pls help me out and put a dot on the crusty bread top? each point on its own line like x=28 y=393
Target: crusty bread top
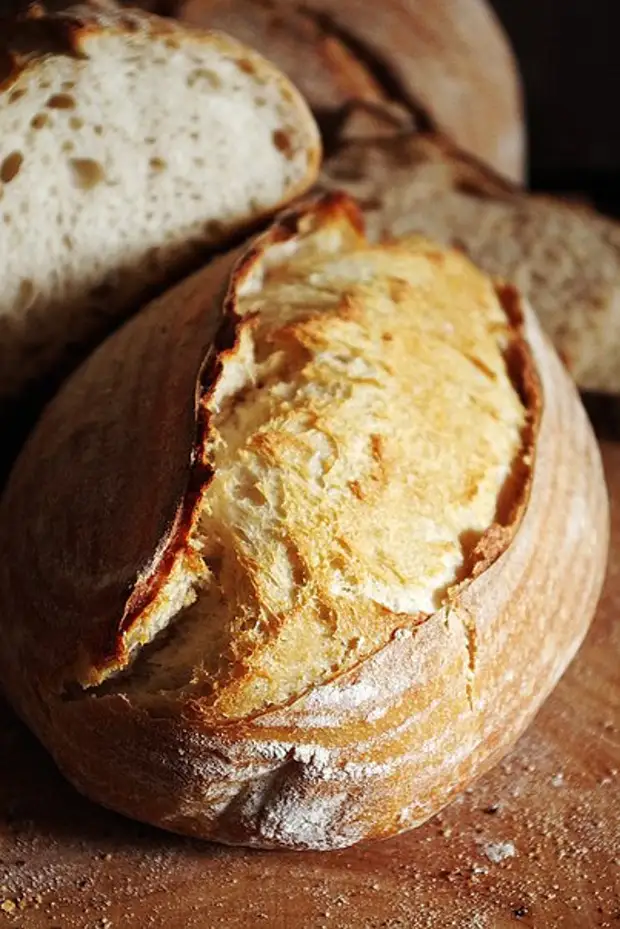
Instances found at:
x=361 y=432
x=358 y=432
x=563 y=256
x=129 y=146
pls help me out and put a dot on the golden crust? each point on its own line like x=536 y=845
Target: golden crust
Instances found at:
x=383 y=743
x=358 y=436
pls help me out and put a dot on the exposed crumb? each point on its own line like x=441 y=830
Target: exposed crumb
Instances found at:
x=52 y=849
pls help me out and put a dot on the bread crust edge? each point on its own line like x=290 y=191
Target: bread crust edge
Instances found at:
x=385 y=745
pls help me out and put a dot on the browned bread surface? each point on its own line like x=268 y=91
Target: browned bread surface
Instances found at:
x=565 y=257
x=300 y=551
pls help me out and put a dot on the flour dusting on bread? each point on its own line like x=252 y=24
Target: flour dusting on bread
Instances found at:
x=294 y=557
x=360 y=432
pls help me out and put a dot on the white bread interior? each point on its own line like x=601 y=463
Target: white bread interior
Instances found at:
x=119 y=161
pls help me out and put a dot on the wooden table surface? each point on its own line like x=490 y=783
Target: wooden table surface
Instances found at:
x=535 y=843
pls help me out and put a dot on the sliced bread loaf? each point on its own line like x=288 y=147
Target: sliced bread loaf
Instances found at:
x=565 y=256
x=447 y=61
x=128 y=146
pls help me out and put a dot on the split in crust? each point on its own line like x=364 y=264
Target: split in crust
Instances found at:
x=300 y=551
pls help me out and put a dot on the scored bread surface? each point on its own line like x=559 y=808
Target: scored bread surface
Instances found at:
x=360 y=434
x=127 y=144
x=302 y=548
x=562 y=255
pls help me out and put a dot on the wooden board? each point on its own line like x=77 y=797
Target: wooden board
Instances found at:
x=535 y=843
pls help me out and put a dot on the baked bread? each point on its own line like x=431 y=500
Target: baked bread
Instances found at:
x=564 y=256
x=129 y=146
x=448 y=62
x=301 y=549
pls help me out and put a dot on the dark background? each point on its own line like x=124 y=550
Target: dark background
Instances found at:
x=569 y=53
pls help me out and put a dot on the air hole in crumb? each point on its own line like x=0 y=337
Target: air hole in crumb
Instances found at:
x=45 y=85
x=76 y=123
x=199 y=162
x=260 y=101
x=16 y=95
x=11 y=167
x=247 y=66
x=61 y=102
x=172 y=43
x=283 y=142
x=39 y=120
x=150 y=140
x=87 y=172
x=255 y=495
x=157 y=164
x=204 y=76
x=194 y=136
x=68 y=146
x=67 y=241
x=7 y=219
x=98 y=130
x=68 y=85
x=481 y=366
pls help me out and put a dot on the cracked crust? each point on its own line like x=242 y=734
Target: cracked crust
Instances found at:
x=384 y=741
x=563 y=256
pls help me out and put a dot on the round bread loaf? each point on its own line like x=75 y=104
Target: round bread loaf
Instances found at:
x=300 y=550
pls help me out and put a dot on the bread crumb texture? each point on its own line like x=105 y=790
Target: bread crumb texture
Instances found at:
x=120 y=158
x=360 y=433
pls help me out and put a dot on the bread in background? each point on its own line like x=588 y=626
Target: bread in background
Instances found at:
x=563 y=255
x=130 y=147
x=447 y=61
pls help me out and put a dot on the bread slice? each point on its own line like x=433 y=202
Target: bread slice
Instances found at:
x=128 y=147
x=564 y=256
x=301 y=549
x=447 y=61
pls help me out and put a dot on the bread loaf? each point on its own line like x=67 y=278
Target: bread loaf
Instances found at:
x=301 y=549
x=564 y=256
x=128 y=146
x=447 y=61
